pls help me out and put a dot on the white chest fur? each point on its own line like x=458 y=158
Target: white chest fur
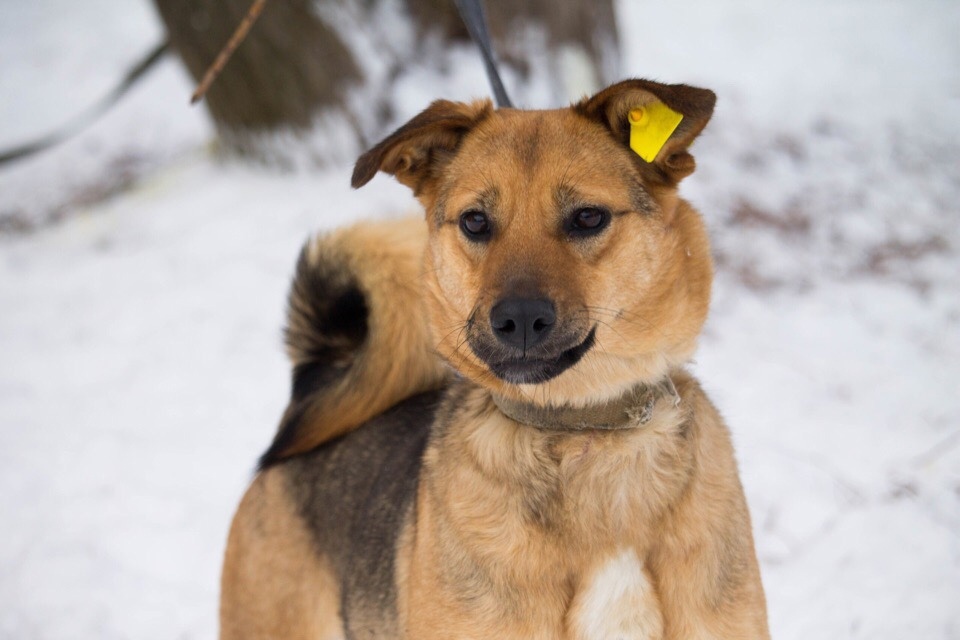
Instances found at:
x=617 y=602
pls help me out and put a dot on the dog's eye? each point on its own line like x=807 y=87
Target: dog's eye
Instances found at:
x=588 y=220
x=475 y=225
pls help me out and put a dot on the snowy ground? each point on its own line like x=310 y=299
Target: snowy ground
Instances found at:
x=140 y=366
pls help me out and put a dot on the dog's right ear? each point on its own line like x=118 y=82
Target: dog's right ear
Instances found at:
x=415 y=151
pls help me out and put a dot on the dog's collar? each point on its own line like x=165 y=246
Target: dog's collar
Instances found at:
x=632 y=409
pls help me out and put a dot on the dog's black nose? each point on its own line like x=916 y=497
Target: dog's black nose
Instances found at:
x=522 y=322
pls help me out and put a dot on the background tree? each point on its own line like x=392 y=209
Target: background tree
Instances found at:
x=325 y=70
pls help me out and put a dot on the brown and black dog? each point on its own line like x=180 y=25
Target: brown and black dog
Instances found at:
x=491 y=433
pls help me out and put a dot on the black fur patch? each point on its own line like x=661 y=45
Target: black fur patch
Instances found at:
x=326 y=308
x=346 y=316
x=354 y=493
x=285 y=437
x=310 y=377
x=327 y=324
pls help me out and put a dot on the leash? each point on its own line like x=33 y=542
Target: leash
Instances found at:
x=87 y=117
x=471 y=12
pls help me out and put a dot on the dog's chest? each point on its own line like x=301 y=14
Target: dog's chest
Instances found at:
x=616 y=601
x=614 y=487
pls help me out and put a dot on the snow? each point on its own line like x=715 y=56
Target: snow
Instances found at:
x=140 y=363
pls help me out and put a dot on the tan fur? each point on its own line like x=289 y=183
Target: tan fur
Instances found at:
x=519 y=532
x=274 y=585
x=596 y=494
x=663 y=259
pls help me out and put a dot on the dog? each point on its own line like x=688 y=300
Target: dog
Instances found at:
x=491 y=433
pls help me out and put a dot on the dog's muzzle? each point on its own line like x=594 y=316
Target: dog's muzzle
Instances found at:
x=526 y=341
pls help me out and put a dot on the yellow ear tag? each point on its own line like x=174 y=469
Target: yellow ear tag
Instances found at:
x=650 y=128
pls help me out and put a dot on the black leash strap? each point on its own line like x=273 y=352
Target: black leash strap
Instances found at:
x=471 y=11
x=87 y=117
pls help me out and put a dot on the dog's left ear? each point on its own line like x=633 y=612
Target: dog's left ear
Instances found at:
x=643 y=115
x=414 y=152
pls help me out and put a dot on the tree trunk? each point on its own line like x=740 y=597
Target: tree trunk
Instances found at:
x=301 y=64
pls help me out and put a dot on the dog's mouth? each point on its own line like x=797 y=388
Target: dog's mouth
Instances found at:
x=536 y=369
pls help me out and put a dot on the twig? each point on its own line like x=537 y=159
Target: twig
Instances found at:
x=238 y=36
x=938 y=450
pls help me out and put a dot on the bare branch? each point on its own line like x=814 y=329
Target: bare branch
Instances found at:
x=238 y=36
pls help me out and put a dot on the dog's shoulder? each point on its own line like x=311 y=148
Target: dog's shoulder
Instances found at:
x=354 y=495
x=363 y=475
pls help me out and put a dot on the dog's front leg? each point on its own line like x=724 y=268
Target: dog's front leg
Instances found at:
x=708 y=578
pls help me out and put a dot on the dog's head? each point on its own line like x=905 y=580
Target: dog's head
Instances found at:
x=562 y=266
